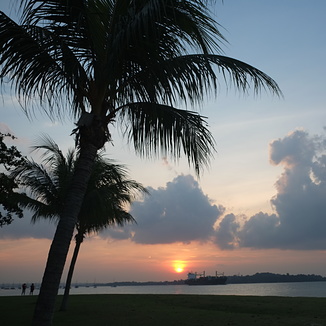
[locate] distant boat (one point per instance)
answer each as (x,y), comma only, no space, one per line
(202,279)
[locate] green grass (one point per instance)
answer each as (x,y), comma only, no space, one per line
(172,310)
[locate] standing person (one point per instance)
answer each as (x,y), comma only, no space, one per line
(24,286)
(32,288)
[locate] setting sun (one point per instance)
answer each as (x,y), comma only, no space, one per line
(178,266)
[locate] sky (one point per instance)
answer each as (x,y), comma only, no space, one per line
(259,207)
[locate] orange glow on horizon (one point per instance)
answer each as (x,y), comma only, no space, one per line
(179,266)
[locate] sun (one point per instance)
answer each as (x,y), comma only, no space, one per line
(178,266)
(179,269)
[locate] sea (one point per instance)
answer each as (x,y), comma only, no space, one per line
(293,289)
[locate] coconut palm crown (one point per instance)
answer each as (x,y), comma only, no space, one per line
(105,203)
(131,60)
(108,194)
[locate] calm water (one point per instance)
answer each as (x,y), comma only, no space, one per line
(302,289)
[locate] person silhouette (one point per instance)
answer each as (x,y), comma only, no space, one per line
(32,288)
(24,286)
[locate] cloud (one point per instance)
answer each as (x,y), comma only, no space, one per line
(260,231)
(297,148)
(299,221)
(226,234)
(179,212)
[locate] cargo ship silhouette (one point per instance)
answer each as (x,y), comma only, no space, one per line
(202,279)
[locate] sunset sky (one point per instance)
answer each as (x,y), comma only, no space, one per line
(260,206)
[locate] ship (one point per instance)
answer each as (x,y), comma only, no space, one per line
(202,279)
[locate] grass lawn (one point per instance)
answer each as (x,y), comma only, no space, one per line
(171,310)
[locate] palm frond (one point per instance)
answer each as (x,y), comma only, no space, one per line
(108,194)
(164,130)
(190,78)
(43,197)
(242,75)
(101,56)
(40,64)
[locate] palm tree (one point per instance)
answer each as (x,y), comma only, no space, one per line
(126,61)
(109,192)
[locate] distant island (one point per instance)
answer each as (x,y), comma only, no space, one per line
(274,278)
(237,279)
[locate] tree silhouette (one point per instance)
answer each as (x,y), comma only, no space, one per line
(108,194)
(10,158)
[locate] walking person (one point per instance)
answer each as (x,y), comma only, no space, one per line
(24,286)
(32,289)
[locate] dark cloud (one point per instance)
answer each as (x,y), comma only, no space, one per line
(260,231)
(180,212)
(299,221)
(226,234)
(297,148)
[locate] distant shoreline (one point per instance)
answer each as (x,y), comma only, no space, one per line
(234,279)
(237,279)
(265,277)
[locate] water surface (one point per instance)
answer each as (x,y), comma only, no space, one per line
(296,289)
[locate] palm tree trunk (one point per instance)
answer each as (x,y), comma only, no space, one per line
(44,309)
(79,240)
